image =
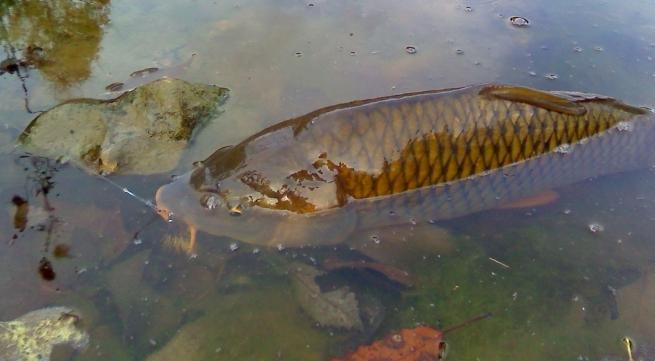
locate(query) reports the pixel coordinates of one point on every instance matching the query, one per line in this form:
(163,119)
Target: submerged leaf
(416,344)
(337,308)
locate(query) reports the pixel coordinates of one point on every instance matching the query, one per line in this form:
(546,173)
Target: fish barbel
(428,155)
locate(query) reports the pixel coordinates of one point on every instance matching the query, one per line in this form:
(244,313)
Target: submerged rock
(249,326)
(140,132)
(337,308)
(32,336)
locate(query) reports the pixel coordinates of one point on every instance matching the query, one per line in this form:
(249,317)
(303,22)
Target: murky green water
(562,292)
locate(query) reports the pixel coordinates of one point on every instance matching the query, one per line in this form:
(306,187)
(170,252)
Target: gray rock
(140,132)
(337,308)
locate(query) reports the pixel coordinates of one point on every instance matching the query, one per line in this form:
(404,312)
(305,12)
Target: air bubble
(137,241)
(577,49)
(551,76)
(375,239)
(624,126)
(233,246)
(459,52)
(598,48)
(563,148)
(409,49)
(595,227)
(468,9)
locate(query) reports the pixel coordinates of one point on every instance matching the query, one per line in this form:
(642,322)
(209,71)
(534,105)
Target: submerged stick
(142,200)
(467,322)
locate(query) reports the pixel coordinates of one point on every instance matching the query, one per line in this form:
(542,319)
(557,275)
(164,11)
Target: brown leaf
(416,344)
(20,216)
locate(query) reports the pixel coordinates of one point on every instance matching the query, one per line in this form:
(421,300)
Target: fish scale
(467,149)
(422,156)
(610,152)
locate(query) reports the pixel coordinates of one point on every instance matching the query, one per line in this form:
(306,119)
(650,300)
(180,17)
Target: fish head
(211,212)
(262,199)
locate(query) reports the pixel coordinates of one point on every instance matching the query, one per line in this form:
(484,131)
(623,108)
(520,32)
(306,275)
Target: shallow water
(562,291)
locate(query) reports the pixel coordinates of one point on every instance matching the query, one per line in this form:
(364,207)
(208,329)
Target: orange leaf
(415,344)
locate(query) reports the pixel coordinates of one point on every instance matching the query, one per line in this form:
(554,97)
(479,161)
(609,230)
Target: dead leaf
(416,344)
(20,216)
(337,308)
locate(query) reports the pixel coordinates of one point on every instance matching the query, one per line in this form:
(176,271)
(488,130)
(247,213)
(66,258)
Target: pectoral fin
(182,244)
(539,199)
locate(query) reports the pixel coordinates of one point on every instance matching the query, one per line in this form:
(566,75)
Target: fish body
(422,156)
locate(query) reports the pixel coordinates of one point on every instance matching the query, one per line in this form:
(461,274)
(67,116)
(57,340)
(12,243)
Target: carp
(423,156)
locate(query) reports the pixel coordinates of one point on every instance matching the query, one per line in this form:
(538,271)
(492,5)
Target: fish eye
(209,201)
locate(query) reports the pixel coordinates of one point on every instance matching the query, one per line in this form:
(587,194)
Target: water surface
(568,294)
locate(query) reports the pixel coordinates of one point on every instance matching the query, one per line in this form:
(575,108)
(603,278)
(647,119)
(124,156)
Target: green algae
(551,303)
(248,326)
(32,336)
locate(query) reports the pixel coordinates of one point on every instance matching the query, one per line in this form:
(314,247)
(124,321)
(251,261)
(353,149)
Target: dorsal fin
(567,102)
(590,97)
(560,103)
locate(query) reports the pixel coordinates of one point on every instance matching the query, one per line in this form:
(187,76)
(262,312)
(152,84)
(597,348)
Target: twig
(499,262)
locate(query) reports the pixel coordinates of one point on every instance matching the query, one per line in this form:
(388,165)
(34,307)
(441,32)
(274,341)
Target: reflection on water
(558,290)
(60,38)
